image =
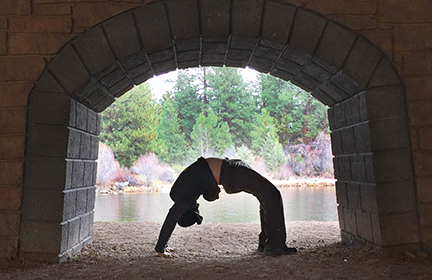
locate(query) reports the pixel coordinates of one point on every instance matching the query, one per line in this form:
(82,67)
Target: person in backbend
(202,178)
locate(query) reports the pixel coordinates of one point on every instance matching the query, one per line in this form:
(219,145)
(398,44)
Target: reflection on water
(300,204)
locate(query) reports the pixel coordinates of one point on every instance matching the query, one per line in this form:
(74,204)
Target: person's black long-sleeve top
(195,180)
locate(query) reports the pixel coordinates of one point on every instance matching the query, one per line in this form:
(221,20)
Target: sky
(159,84)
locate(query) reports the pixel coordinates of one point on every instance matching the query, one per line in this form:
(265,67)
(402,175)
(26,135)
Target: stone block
(53,9)
(364,226)
(188,56)
(11,172)
(161,56)
(281,74)
(353,195)
(340,7)
(91,196)
(89,14)
(396,197)
(425,215)
(184,18)
(3,42)
(344,169)
(42,205)
(41,24)
(86,220)
(10,223)
(336,142)
(123,43)
(92,122)
(335,44)
(47,140)
(94,50)
(153,27)
(12,146)
(261,65)
(94,148)
(183,45)
(323,97)
(69,205)
(368,195)
(336,167)
(215,17)
(318,73)
(345,85)
(362,138)
(81,202)
(135,60)
(98,96)
(418,88)
(277,21)
(413,37)
(417,63)
(243,55)
(14,94)
(68,56)
(419,113)
(88,173)
(15,7)
(399,229)
(243,43)
(164,67)
(106,101)
(8,247)
(74,231)
(350,221)
(341,217)
(213,60)
(40,237)
(44,44)
(78,174)
(369,167)
(361,61)
(121,87)
(382,39)
(141,78)
(424,190)
(333,91)
(49,108)
(85,147)
(89,88)
(307,29)
(361,22)
(305,81)
(189,64)
(12,120)
(426,236)
(11,68)
(246,18)
(81,117)
(402,11)
(348,141)
(358,171)
(352,112)
(45,172)
(385,102)
(389,134)
(10,198)
(74,144)
(216,47)
(64,237)
(339,115)
(392,165)
(341,194)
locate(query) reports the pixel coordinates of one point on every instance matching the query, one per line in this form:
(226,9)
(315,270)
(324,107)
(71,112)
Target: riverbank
(221,251)
(157,187)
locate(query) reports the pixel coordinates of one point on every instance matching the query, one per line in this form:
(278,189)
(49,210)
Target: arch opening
(367,115)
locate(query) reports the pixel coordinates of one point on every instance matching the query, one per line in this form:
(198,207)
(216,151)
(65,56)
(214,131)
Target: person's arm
(174,214)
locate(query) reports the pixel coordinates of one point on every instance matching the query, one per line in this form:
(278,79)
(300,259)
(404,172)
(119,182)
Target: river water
(300,204)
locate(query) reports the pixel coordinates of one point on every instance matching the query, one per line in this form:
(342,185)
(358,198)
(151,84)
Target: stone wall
(32,31)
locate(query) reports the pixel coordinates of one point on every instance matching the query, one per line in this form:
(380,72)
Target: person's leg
(262,238)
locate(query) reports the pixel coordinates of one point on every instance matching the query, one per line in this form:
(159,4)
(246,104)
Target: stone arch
(367,115)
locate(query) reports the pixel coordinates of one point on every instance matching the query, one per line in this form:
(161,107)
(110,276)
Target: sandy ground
(221,251)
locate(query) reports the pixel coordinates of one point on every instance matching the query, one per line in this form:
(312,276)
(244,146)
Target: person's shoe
(279,251)
(261,248)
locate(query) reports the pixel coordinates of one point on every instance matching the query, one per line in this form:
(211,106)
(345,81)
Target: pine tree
(128,126)
(174,143)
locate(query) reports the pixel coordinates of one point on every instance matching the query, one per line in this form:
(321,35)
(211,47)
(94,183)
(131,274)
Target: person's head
(191,217)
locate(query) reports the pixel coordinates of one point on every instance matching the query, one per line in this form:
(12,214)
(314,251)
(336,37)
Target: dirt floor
(221,251)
